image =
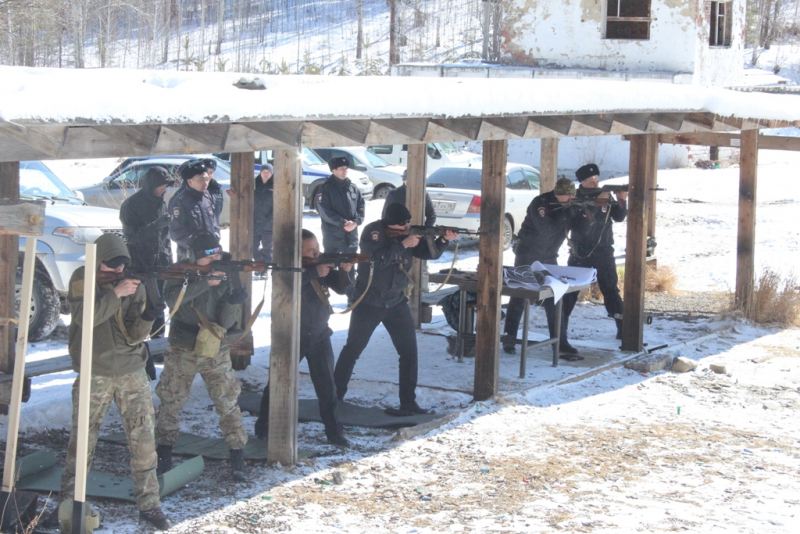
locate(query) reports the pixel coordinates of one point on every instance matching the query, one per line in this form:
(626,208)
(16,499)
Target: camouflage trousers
(131,393)
(180,368)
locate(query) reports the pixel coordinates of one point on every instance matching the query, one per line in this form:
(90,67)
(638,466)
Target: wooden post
(652,183)
(548,167)
(285,350)
(241,232)
(84,392)
(746,242)
(713,153)
(415,202)
(644,149)
(490,269)
(9,258)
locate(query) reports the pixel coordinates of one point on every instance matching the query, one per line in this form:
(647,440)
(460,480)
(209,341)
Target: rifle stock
(173,272)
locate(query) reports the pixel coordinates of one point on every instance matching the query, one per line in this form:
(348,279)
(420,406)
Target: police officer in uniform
(315,341)
(399,196)
(262,216)
(341,208)
(592,243)
(541,235)
(192,207)
(385,302)
(214,188)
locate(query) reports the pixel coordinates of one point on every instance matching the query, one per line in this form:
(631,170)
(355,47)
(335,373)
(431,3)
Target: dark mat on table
(38,472)
(214,448)
(349,414)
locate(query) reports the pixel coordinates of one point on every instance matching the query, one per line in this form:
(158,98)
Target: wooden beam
(516,126)
(287,132)
(241,232)
(412,128)
(212,136)
(652,184)
(415,202)
(746,240)
(9,259)
(673,121)
(548,167)
(21,217)
(285,346)
(778,142)
(468,128)
(490,269)
(637,121)
(45,139)
(355,130)
(704,120)
(559,124)
(701,138)
(644,148)
(602,123)
(133,139)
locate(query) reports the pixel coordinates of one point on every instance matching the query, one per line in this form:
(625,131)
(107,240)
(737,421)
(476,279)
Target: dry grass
(657,280)
(776,300)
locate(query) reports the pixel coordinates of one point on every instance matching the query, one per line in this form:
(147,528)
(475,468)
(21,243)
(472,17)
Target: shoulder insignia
(376,236)
(542,211)
(319,197)
(605,208)
(176,212)
(77,289)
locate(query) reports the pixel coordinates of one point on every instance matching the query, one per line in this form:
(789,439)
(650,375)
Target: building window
(628,19)
(720,18)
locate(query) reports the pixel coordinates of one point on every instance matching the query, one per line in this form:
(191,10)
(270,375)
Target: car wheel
(508,233)
(45,306)
(381,192)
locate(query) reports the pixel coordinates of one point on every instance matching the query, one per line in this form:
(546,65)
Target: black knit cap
(204,244)
(587,171)
(338,161)
(396,214)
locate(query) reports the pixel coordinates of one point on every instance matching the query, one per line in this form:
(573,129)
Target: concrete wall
(720,65)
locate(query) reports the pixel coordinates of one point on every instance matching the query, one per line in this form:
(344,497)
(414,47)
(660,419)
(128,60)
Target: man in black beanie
(592,243)
(192,208)
(385,302)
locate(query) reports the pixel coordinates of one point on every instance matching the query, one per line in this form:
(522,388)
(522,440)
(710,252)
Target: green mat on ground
(214,448)
(38,472)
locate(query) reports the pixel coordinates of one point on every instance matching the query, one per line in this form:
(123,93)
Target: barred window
(628,19)
(720,21)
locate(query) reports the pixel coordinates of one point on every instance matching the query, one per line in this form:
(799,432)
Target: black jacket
(262,207)
(339,201)
(398,196)
(388,255)
(215,192)
(587,235)
(191,211)
(544,229)
(145,226)
(314,314)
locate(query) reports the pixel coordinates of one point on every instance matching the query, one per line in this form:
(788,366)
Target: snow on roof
(131,96)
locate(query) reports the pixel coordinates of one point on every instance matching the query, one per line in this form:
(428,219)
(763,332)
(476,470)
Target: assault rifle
(621,188)
(336,259)
(586,205)
(430,233)
(232,268)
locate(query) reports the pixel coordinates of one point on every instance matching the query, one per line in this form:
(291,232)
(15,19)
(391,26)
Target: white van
(439,155)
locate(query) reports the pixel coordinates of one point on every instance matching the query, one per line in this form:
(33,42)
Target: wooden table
(468,281)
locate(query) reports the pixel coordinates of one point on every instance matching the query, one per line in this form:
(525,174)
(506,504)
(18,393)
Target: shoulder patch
(542,211)
(77,289)
(376,235)
(176,212)
(319,197)
(605,208)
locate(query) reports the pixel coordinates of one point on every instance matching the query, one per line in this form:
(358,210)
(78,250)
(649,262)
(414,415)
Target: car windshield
(36,180)
(375,160)
(456,178)
(311,158)
(448,148)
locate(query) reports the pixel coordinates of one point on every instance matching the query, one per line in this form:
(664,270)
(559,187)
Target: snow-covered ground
(606,453)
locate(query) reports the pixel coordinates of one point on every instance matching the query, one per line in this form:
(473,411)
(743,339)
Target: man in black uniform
(262,216)
(214,188)
(315,341)
(191,208)
(385,302)
(145,225)
(399,196)
(541,235)
(341,208)
(592,243)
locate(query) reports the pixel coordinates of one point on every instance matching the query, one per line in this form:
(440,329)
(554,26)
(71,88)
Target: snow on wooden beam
(468,128)
(355,130)
(411,128)
(288,133)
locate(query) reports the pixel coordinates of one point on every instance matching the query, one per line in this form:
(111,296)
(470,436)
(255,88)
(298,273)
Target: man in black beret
(592,243)
(385,302)
(192,208)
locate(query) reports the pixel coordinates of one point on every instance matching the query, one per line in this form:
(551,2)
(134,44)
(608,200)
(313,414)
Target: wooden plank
(212,136)
(746,239)
(415,201)
(601,123)
(637,121)
(490,269)
(704,120)
(548,167)
(241,139)
(718,139)
(241,238)
(315,135)
(468,128)
(287,132)
(139,139)
(355,130)
(557,123)
(9,258)
(285,349)
(516,126)
(412,128)
(673,121)
(12,150)
(644,148)
(438,134)
(652,184)
(47,140)
(777,142)
(21,217)
(87,142)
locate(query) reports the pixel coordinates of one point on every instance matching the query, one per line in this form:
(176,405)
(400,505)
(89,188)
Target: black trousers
(320,366)
(601,259)
(262,247)
(516,306)
(398,322)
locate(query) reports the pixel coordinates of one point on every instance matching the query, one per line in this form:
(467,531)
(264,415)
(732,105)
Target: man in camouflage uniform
(212,298)
(118,361)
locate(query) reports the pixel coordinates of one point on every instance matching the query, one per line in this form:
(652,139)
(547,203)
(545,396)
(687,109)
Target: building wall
(720,65)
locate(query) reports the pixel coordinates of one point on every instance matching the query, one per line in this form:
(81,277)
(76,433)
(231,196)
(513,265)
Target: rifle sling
(207,324)
(446,279)
(174,310)
(324,298)
(573,248)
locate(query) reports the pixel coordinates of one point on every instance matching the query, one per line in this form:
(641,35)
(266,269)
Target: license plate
(444,207)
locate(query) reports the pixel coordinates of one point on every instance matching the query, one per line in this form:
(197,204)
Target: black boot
(237,465)
(155,517)
(336,436)
(262,428)
(619,328)
(164,453)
